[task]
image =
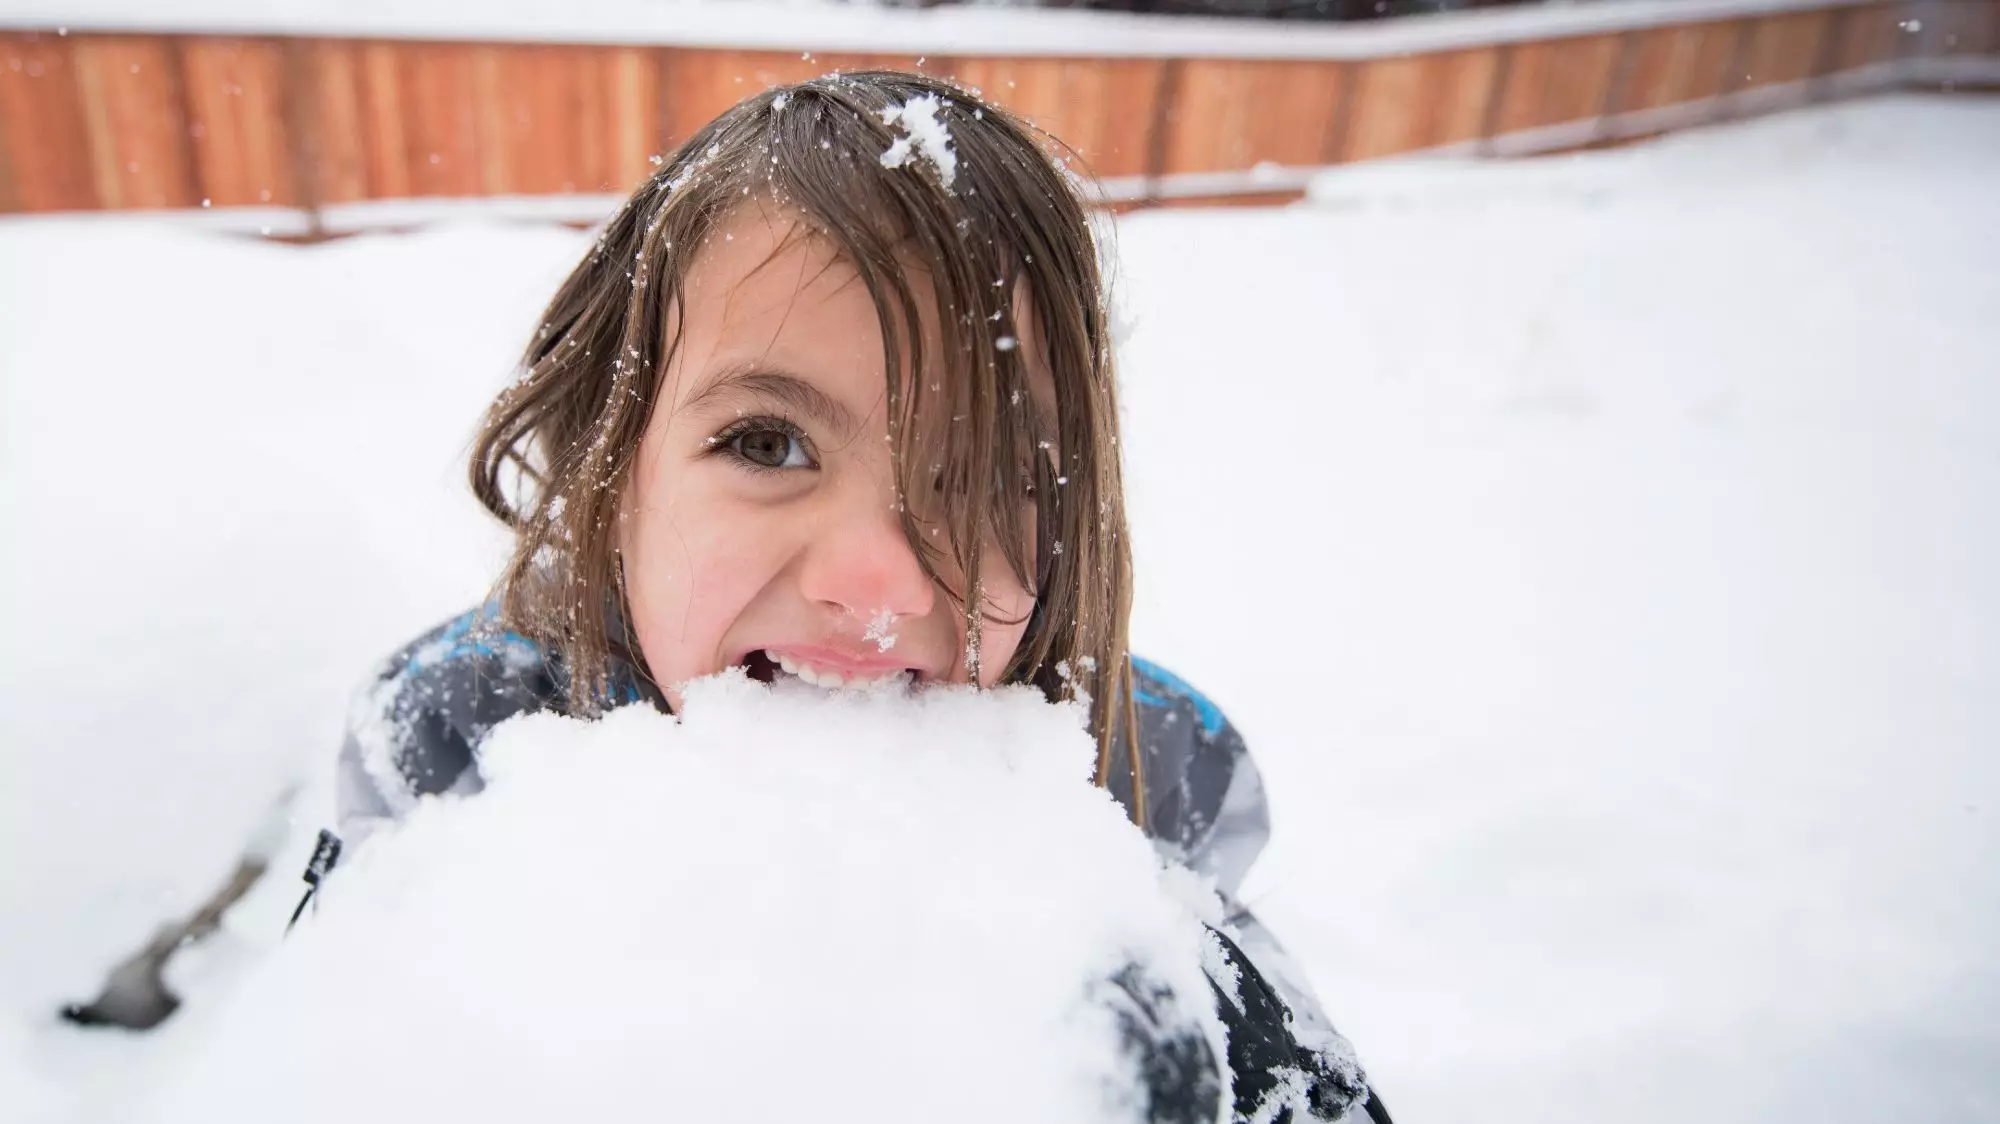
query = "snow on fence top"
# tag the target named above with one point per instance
(790, 904)
(812, 25)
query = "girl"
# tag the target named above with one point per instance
(832, 398)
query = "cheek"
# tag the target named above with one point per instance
(692, 565)
(1008, 602)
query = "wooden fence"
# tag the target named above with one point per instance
(103, 120)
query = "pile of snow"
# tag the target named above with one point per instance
(860, 906)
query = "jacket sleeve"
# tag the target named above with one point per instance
(1206, 809)
(414, 728)
(1279, 1069)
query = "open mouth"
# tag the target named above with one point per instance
(767, 666)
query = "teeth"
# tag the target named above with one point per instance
(824, 677)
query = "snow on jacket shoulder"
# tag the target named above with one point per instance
(415, 727)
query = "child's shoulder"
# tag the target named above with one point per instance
(425, 709)
(1204, 797)
(1166, 695)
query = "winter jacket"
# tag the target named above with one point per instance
(415, 727)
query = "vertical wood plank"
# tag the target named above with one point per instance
(1394, 107)
(632, 89)
(1707, 70)
(235, 96)
(1202, 132)
(1582, 71)
(1525, 87)
(138, 137)
(1120, 147)
(440, 138)
(334, 98)
(696, 85)
(1785, 48)
(585, 109)
(1461, 81)
(385, 146)
(49, 159)
(1291, 112)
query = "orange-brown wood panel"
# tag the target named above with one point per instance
(333, 82)
(631, 85)
(1205, 124)
(765, 69)
(440, 118)
(385, 145)
(1579, 74)
(819, 64)
(492, 113)
(1289, 112)
(1122, 129)
(975, 73)
(1463, 81)
(235, 91)
(1080, 127)
(590, 103)
(529, 120)
(1395, 105)
(1785, 48)
(695, 86)
(138, 136)
(1715, 50)
(1680, 64)
(47, 159)
(1527, 81)
(10, 199)
(1033, 88)
(1874, 34)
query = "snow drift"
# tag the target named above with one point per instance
(869, 906)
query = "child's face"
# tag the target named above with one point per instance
(760, 527)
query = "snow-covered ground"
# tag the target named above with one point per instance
(1600, 555)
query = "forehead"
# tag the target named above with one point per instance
(766, 288)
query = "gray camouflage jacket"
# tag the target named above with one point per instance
(415, 729)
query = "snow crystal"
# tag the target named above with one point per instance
(879, 627)
(1006, 343)
(788, 890)
(925, 137)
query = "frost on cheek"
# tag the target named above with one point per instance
(924, 137)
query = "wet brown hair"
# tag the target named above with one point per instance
(1007, 232)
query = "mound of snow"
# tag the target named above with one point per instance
(791, 904)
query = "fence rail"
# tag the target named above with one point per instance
(108, 121)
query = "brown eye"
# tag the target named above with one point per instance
(769, 446)
(766, 447)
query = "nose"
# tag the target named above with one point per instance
(858, 560)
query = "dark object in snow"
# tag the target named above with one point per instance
(135, 996)
(1277, 1078)
(1177, 1067)
(326, 852)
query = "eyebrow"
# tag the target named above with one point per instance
(780, 386)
